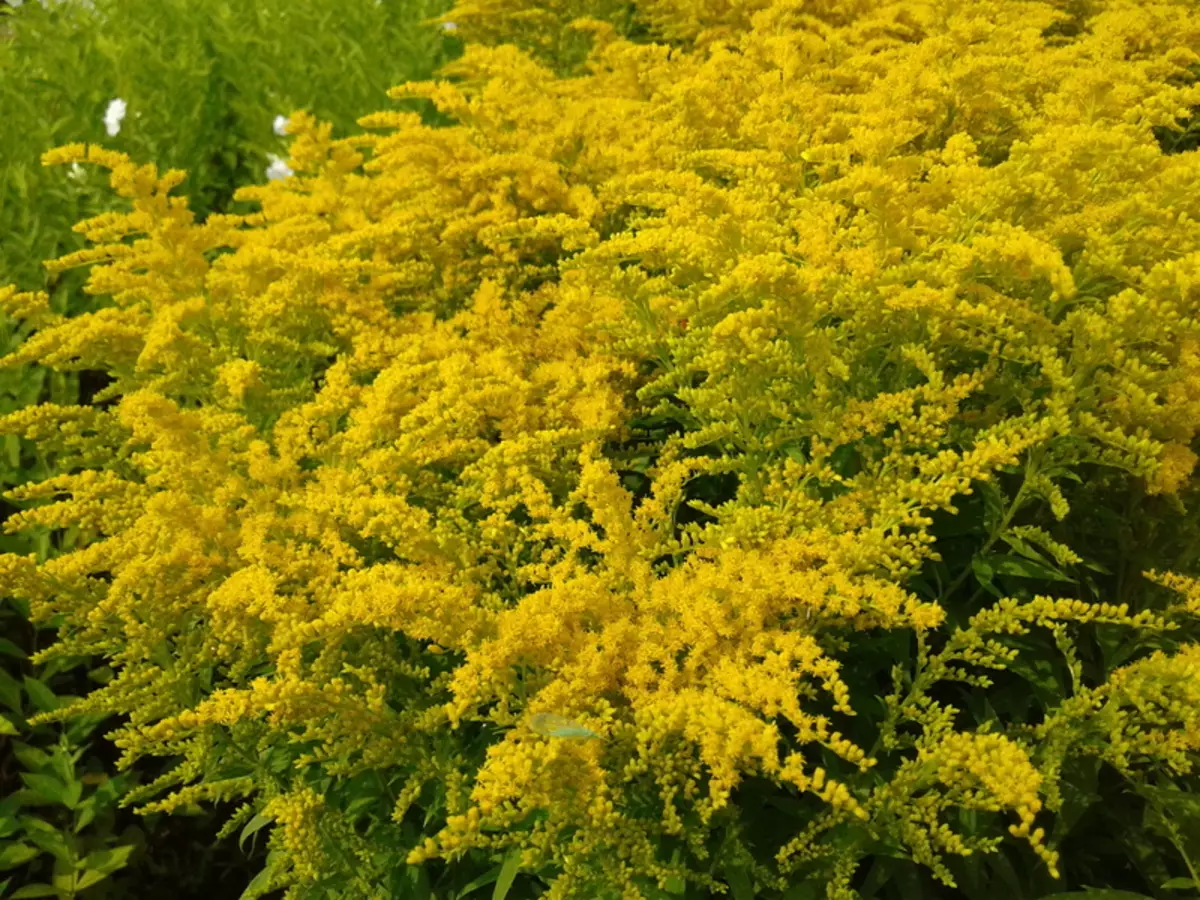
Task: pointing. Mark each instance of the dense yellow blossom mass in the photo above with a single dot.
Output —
(634, 396)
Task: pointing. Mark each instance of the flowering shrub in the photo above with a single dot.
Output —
(757, 456)
(193, 84)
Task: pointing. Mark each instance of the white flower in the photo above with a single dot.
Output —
(449, 26)
(278, 169)
(113, 116)
(280, 126)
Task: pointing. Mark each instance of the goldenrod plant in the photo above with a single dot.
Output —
(755, 457)
(203, 85)
(208, 86)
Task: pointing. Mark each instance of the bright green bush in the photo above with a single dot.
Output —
(757, 459)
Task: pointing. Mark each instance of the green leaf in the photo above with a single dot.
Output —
(993, 503)
(110, 859)
(652, 891)
(482, 881)
(36, 890)
(62, 763)
(8, 648)
(1096, 567)
(6, 726)
(10, 692)
(64, 881)
(1180, 884)
(885, 869)
(1079, 793)
(89, 877)
(12, 445)
(50, 788)
(257, 885)
(419, 879)
(796, 452)
(1063, 472)
(508, 872)
(254, 825)
(1016, 566)
(1183, 805)
(1175, 815)
(1039, 674)
(16, 854)
(739, 884)
(982, 569)
(985, 573)
(85, 814)
(42, 697)
(845, 461)
(49, 838)
(999, 863)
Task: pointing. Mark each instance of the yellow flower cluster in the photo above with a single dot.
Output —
(961, 771)
(633, 396)
(298, 815)
(1147, 713)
